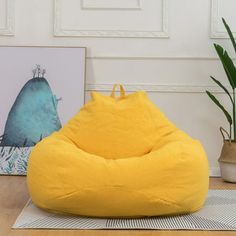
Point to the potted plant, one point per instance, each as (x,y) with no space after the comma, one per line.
(227,158)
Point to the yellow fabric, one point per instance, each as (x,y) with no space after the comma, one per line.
(118,157)
(118,127)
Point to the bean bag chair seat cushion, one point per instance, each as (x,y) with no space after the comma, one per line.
(118,157)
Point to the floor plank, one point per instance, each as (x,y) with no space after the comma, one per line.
(14,195)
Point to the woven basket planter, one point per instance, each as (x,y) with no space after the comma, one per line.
(227,159)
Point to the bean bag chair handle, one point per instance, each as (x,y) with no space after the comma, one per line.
(122,91)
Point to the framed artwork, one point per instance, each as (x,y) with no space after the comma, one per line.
(41,88)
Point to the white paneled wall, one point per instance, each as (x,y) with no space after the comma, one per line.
(162,46)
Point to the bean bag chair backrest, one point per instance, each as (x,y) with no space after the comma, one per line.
(122,127)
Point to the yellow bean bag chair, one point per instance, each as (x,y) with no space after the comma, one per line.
(118,157)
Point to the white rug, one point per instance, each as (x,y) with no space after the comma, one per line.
(219,213)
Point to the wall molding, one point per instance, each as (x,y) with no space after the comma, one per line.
(62,32)
(161,88)
(133,58)
(200,58)
(215,32)
(8,29)
(98,6)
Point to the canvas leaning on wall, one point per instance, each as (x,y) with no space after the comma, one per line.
(43,88)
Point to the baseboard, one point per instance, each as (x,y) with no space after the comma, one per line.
(214,172)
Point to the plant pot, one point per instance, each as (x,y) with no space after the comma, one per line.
(227,161)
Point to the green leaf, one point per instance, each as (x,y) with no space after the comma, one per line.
(215,100)
(227,64)
(223,87)
(230,34)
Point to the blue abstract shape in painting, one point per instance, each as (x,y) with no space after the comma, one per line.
(33,115)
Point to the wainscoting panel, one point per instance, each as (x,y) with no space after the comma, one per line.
(150,22)
(7,17)
(111,4)
(226,9)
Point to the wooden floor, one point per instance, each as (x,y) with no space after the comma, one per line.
(14,195)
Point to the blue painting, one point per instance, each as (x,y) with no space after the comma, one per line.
(32,117)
